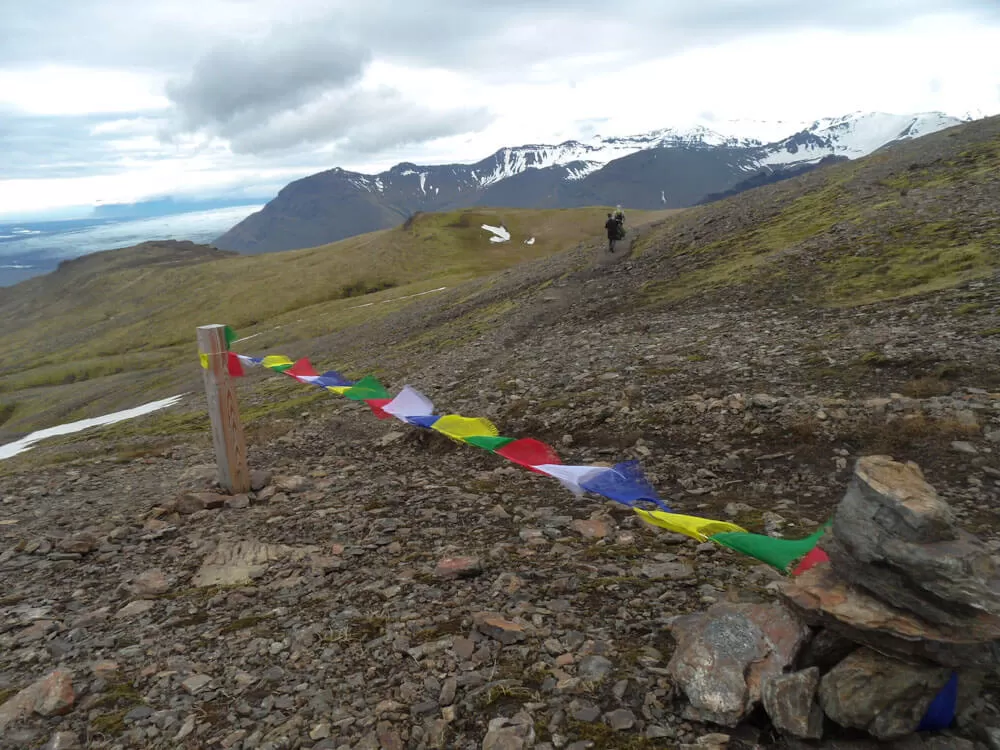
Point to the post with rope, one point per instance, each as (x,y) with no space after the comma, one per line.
(223,410)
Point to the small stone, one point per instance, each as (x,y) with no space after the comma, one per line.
(591,528)
(259,479)
(458,567)
(963,446)
(712,740)
(81,543)
(136,608)
(388,737)
(669,570)
(234,738)
(448,690)
(789,700)
(320,732)
(498,628)
(105,670)
(621,719)
(196,682)
(502,739)
(594,668)
(186,729)
(138,713)
(584,711)
(290,483)
(238,502)
(150,583)
(464,647)
(63,741)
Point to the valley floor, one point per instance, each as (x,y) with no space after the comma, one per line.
(353,634)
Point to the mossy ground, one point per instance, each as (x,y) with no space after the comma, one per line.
(851,239)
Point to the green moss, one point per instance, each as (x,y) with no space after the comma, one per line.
(7,693)
(990,332)
(903,271)
(969,308)
(696,357)
(120,696)
(112,723)
(605,738)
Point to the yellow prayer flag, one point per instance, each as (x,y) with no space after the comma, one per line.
(693,526)
(459,428)
(276,360)
(339,389)
(203,358)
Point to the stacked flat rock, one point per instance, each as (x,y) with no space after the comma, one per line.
(902,578)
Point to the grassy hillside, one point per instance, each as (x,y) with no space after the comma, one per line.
(116,326)
(911,219)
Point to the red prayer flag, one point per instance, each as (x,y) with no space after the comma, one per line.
(815,557)
(376,405)
(234,365)
(302,367)
(529,453)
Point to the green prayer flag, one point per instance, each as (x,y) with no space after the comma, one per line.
(230,337)
(488,442)
(778,553)
(281,368)
(366,388)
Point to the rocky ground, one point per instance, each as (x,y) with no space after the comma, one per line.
(408,592)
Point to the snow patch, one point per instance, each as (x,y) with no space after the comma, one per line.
(530,241)
(19,446)
(581,170)
(500,233)
(423,181)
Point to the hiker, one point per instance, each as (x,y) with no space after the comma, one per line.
(620,216)
(614,228)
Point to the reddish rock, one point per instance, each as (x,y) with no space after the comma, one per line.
(52,695)
(823,598)
(496,627)
(591,528)
(458,567)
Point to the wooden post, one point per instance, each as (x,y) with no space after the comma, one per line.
(223,410)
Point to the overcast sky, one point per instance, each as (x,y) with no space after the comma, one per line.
(120,100)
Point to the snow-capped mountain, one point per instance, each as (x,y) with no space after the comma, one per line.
(854,135)
(667,168)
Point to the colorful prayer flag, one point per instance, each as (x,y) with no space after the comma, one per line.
(699,529)
(460,428)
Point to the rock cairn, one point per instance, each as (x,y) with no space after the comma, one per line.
(907,605)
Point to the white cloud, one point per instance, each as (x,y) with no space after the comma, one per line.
(64,90)
(163,99)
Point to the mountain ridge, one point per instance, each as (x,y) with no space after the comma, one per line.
(665,168)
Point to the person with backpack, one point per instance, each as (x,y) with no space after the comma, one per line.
(614,229)
(620,218)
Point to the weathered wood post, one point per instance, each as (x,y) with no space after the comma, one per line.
(224,411)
